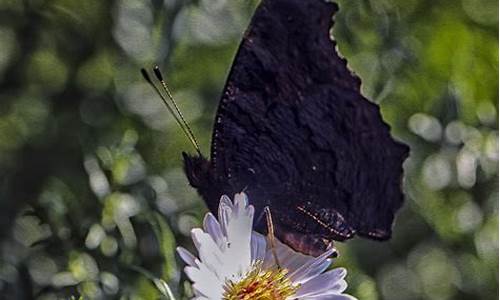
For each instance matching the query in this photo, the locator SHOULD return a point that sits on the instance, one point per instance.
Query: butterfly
(294, 132)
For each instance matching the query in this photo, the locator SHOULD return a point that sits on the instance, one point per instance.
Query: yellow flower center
(260, 284)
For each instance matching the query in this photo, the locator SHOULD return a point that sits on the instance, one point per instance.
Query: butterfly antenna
(159, 76)
(184, 130)
(270, 235)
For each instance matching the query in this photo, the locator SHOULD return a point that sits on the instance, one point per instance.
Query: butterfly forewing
(293, 130)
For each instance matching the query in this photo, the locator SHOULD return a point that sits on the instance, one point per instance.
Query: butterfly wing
(293, 130)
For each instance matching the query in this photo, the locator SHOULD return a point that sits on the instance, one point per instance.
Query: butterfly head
(200, 175)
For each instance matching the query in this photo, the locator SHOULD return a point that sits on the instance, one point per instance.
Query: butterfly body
(294, 132)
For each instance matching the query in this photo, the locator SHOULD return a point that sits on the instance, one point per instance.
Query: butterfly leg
(270, 234)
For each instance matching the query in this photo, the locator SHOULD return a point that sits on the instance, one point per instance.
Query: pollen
(260, 284)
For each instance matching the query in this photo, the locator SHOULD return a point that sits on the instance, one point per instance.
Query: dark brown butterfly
(294, 132)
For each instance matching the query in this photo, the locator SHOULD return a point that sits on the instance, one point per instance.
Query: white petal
(331, 282)
(209, 253)
(205, 282)
(212, 227)
(259, 245)
(312, 265)
(225, 209)
(226, 200)
(288, 258)
(225, 212)
(315, 271)
(240, 201)
(239, 232)
(186, 256)
(330, 297)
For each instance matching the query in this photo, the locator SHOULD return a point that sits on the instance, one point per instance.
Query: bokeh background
(93, 199)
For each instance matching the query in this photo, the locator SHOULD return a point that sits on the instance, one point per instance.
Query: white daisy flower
(235, 263)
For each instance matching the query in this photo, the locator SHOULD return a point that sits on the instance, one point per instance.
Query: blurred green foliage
(93, 198)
